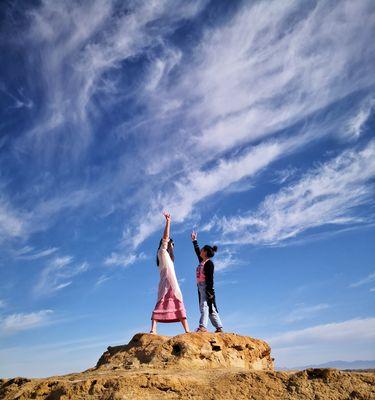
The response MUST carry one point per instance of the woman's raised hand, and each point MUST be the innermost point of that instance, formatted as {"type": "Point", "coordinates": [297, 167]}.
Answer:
{"type": "Point", "coordinates": [194, 235]}
{"type": "Point", "coordinates": [167, 215]}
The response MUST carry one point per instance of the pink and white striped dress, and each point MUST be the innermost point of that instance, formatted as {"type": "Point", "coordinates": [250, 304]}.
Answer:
{"type": "Point", "coordinates": [170, 306]}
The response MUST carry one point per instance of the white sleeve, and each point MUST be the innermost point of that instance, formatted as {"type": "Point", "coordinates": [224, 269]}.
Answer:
{"type": "Point", "coordinates": [163, 254]}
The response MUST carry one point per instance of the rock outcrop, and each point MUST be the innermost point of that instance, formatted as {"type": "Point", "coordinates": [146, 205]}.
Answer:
{"type": "Point", "coordinates": [187, 351]}
{"type": "Point", "coordinates": [192, 366]}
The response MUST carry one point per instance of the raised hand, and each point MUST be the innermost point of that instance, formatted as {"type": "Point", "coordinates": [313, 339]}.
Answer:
{"type": "Point", "coordinates": [194, 235]}
{"type": "Point", "coordinates": [167, 215]}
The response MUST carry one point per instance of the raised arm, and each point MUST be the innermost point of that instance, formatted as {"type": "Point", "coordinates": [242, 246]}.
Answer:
{"type": "Point", "coordinates": [163, 250]}
{"type": "Point", "coordinates": [167, 225]}
{"type": "Point", "coordinates": [194, 236]}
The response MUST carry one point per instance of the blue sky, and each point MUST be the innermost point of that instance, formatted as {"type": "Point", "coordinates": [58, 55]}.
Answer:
{"type": "Point", "coordinates": [251, 122]}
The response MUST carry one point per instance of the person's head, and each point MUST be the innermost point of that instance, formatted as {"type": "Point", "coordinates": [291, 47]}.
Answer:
{"type": "Point", "coordinates": [169, 249]}
{"type": "Point", "coordinates": [208, 251]}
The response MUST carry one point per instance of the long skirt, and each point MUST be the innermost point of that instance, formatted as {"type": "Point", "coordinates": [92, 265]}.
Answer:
{"type": "Point", "coordinates": [169, 308]}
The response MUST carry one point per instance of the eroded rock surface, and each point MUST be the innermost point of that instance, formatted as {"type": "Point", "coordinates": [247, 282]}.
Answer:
{"type": "Point", "coordinates": [192, 350]}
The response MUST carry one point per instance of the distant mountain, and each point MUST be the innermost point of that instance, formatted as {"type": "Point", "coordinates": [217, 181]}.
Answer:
{"type": "Point", "coordinates": [359, 364]}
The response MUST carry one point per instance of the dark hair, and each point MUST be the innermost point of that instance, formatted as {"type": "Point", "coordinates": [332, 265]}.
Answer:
{"type": "Point", "coordinates": [210, 250]}
{"type": "Point", "coordinates": [169, 250]}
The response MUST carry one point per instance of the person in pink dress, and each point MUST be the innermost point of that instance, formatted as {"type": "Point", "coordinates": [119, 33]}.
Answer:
{"type": "Point", "coordinates": [170, 305]}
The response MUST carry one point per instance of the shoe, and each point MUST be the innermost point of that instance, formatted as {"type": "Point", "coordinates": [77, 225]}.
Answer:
{"type": "Point", "coordinates": [219, 330]}
{"type": "Point", "coordinates": [201, 329]}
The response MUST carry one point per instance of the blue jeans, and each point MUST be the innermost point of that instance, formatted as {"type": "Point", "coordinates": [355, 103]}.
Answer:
{"type": "Point", "coordinates": [203, 306]}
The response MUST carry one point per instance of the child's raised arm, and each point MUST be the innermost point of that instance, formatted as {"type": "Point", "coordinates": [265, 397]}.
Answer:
{"type": "Point", "coordinates": [194, 236]}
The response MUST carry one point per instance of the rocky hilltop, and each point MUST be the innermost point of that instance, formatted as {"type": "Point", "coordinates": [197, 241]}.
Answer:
{"type": "Point", "coordinates": [192, 366]}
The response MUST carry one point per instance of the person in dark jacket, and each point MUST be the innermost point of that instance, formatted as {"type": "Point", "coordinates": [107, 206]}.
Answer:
{"type": "Point", "coordinates": [205, 283]}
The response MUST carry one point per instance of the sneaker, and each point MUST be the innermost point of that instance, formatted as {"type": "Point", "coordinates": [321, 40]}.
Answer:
{"type": "Point", "coordinates": [219, 330]}
{"type": "Point", "coordinates": [201, 329]}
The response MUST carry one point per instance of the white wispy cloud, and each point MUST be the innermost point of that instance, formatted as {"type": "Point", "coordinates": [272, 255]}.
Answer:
{"type": "Point", "coordinates": [226, 259]}
{"type": "Point", "coordinates": [356, 123]}
{"type": "Point", "coordinates": [11, 221]}
{"type": "Point", "coordinates": [2, 303]}
{"type": "Point", "coordinates": [58, 274]}
{"type": "Point", "coordinates": [19, 98]}
{"type": "Point", "coordinates": [284, 175]}
{"type": "Point", "coordinates": [268, 78]}
{"type": "Point", "coordinates": [89, 40]}
{"type": "Point", "coordinates": [369, 279]}
{"type": "Point", "coordinates": [40, 213]}
{"type": "Point", "coordinates": [302, 312]}
{"type": "Point", "coordinates": [123, 260]}
{"type": "Point", "coordinates": [265, 69]}
{"type": "Point", "coordinates": [29, 253]}
{"type": "Point", "coordinates": [49, 206]}
{"type": "Point", "coordinates": [23, 321]}
{"type": "Point", "coordinates": [275, 72]}
{"type": "Point", "coordinates": [62, 286]}
{"type": "Point", "coordinates": [102, 279]}
{"type": "Point", "coordinates": [204, 183]}
{"type": "Point", "coordinates": [326, 195]}
{"type": "Point", "coordinates": [83, 47]}
{"type": "Point", "coordinates": [353, 329]}
{"type": "Point", "coordinates": [226, 282]}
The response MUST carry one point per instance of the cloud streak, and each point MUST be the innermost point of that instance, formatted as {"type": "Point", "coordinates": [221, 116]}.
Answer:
{"type": "Point", "coordinates": [353, 329]}
{"type": "Point", "coordinates": [302, 312]}
{"type": "Point", "coordinates": [24, 321]}
{"type": "Point", "coordinates": [201, 184]}
{"type": "Point", "coordinates": [11, 222]}
{"type": "Point", "coordinates": [83, 46]}
{"type": "Point", "coordinates": [58, 274]}
{"type": "Point", "coordinates": [275, 74]}
{"type": "Point", "coordinates": [356, 124]}
{"type": "Point", "coordinates": [29, 253]}
{"type": "Point", "coordinates": [278, 77]}
{"type": "Point", "coordinates": [122, 260]}
{"type": "Point", "coordinates": [329, 195]}
{"type": "Point", "coordinates": [369, 279]}
{"type": "Point", "coordinates": [226, 259]}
